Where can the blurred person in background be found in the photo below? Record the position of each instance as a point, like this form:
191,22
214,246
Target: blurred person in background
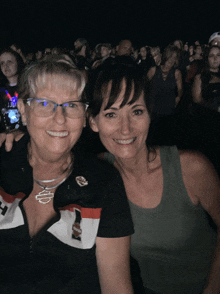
82,54
166,83
11,65
206,86
215,39
145,60
105,52
156,54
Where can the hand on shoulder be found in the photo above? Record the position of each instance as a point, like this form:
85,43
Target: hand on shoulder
9,138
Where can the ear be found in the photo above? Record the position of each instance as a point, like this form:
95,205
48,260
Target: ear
22,109
93,124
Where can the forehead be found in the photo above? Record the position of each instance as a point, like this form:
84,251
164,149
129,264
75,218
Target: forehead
7,56
214,50
120,97
216,40
54,81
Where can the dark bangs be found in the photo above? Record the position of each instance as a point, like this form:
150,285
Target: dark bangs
112,80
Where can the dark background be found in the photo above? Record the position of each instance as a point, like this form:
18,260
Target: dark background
42,23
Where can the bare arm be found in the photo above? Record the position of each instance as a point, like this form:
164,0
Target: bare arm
113,259
204,183
179,83
197,89
151,72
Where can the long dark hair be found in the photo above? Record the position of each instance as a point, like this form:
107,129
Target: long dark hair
206,74
114,75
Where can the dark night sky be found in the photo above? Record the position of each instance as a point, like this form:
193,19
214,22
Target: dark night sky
43,23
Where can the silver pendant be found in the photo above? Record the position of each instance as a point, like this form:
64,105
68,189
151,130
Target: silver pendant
44,196
81,181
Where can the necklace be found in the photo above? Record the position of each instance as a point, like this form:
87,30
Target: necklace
53,180
46,196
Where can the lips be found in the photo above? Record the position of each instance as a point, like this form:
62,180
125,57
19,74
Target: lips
57,134
125,142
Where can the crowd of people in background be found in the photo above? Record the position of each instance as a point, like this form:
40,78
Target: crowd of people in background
180,74
186,60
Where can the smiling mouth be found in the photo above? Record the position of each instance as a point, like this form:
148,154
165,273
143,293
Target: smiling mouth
57,134
125,142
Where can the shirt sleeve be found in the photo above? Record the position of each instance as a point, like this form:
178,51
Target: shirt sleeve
116,218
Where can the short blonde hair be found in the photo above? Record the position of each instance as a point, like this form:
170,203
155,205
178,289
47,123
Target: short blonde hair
48,74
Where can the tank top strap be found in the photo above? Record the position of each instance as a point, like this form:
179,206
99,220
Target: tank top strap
174,190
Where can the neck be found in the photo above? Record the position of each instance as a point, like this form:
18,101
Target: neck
134,166
13,80
197,56
214,70
48,167
165,68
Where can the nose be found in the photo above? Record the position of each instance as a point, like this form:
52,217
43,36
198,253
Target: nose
59,115
126,125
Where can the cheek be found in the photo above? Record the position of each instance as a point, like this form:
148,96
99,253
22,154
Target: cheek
14,68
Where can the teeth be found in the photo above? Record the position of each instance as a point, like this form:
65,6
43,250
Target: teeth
124,141
58,134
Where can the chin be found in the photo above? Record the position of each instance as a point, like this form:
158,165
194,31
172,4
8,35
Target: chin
126,155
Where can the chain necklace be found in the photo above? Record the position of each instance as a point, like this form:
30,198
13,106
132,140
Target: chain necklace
46,196
53,180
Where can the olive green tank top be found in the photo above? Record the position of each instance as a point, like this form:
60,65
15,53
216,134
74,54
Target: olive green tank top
173,242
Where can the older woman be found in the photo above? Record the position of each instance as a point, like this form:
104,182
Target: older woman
173,195
64,219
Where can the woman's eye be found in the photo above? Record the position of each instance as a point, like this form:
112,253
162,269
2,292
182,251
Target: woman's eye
110,115
138,112
72,105
42,103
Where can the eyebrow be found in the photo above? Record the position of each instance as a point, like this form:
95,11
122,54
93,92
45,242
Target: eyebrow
115,108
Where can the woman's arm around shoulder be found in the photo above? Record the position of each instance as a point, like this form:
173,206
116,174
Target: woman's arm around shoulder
151,72
113,259
202,180
197,89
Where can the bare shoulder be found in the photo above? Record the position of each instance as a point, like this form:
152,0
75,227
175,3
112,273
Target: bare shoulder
201,181
197,166
151,72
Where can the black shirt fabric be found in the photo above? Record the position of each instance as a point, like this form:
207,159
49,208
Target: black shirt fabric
61,257
163,93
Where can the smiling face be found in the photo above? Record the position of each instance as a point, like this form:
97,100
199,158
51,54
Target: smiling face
56,134
8,65
123,130
214,59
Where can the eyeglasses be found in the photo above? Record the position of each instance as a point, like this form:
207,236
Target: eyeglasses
44,107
